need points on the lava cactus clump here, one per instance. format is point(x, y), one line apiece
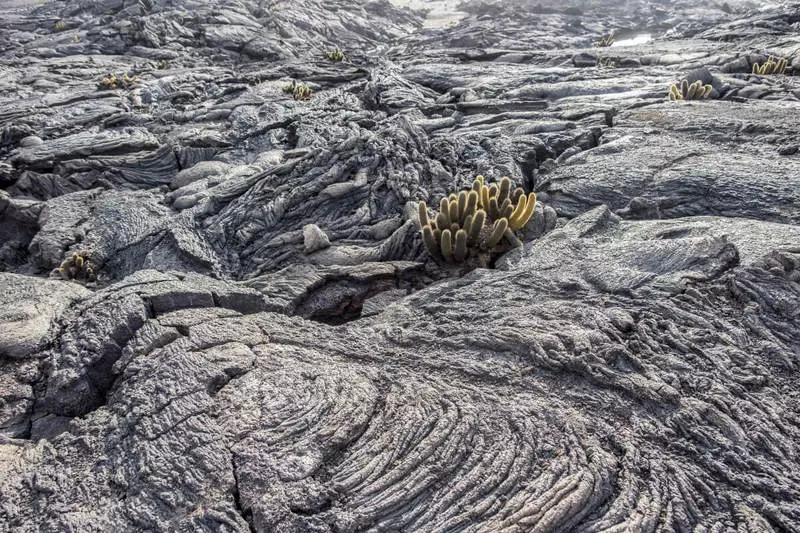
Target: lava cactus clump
point(770, 66)
point(76, 267)
point(476, 225)
point(690, 91)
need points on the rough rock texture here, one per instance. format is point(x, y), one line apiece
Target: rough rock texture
point(267, 346)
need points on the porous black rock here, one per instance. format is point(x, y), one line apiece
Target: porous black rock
point(266, 345)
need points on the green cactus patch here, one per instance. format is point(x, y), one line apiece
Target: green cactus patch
point(112, 81)
point(770, 67)
point(299, 91)
point(605, 42)
point(76, 267)
point(689, 91)
point(335, 54)
point(606, 62)
point(476, 225)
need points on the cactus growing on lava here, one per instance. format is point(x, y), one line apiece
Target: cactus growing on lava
point(299, 91)
point(112, 81)
point(687, 91)
point(605, 42)
point(770, 66)
point(335, 55)
point(476, 224)
point(76, 267)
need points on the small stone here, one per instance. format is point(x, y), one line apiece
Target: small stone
point(314, 239)
point(584, 59)
point(30, 141)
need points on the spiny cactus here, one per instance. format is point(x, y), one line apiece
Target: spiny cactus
point(606, 62)
point(60, 25)
point(299, 91)
point(112, 81)
point(477, 223)
point(334, 55)
point(770, 66)
point(605, 41)
point(76, 267)
point(687, 91)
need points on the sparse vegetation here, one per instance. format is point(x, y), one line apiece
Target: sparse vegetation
point(60, 25)
point(605, 42)
point(770, 66)
point(334, 55)
point(687, 91)
point(606, 62)
point(112, 81)
point(76, 267)
point(475, 225)
point(299, 91)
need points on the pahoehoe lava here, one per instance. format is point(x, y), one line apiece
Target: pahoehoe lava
point(263, 342)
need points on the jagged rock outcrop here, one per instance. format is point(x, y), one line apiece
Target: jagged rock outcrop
point(266, 345)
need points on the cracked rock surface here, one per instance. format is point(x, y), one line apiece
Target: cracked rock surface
point(267, 345)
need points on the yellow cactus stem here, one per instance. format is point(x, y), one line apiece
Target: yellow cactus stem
point(499, 228)
point(506, 209)
point(442, 220)
point(462, 206)
point(478, 222)
point(494, 209)
point(460, 251)
point(484, 197)
point(453, 213)
point(429, 239)
point(472, 203)
point(504, 189)
point(447, 245)
point(423, 214)
point(519, 221)
point(516, 215)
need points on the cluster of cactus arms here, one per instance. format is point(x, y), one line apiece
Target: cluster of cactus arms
point(60, 25)
point(770, 66)
point(299, 91)
point(605, 41)
point(76, 267)
point(481, 221)
point(687, 91)
point(112, 81)
point(334, 55)
point(606, 62)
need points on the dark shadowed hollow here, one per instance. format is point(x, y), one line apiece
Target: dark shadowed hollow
point(218, 313)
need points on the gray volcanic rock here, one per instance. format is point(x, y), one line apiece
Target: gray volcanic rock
point(267, 345)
